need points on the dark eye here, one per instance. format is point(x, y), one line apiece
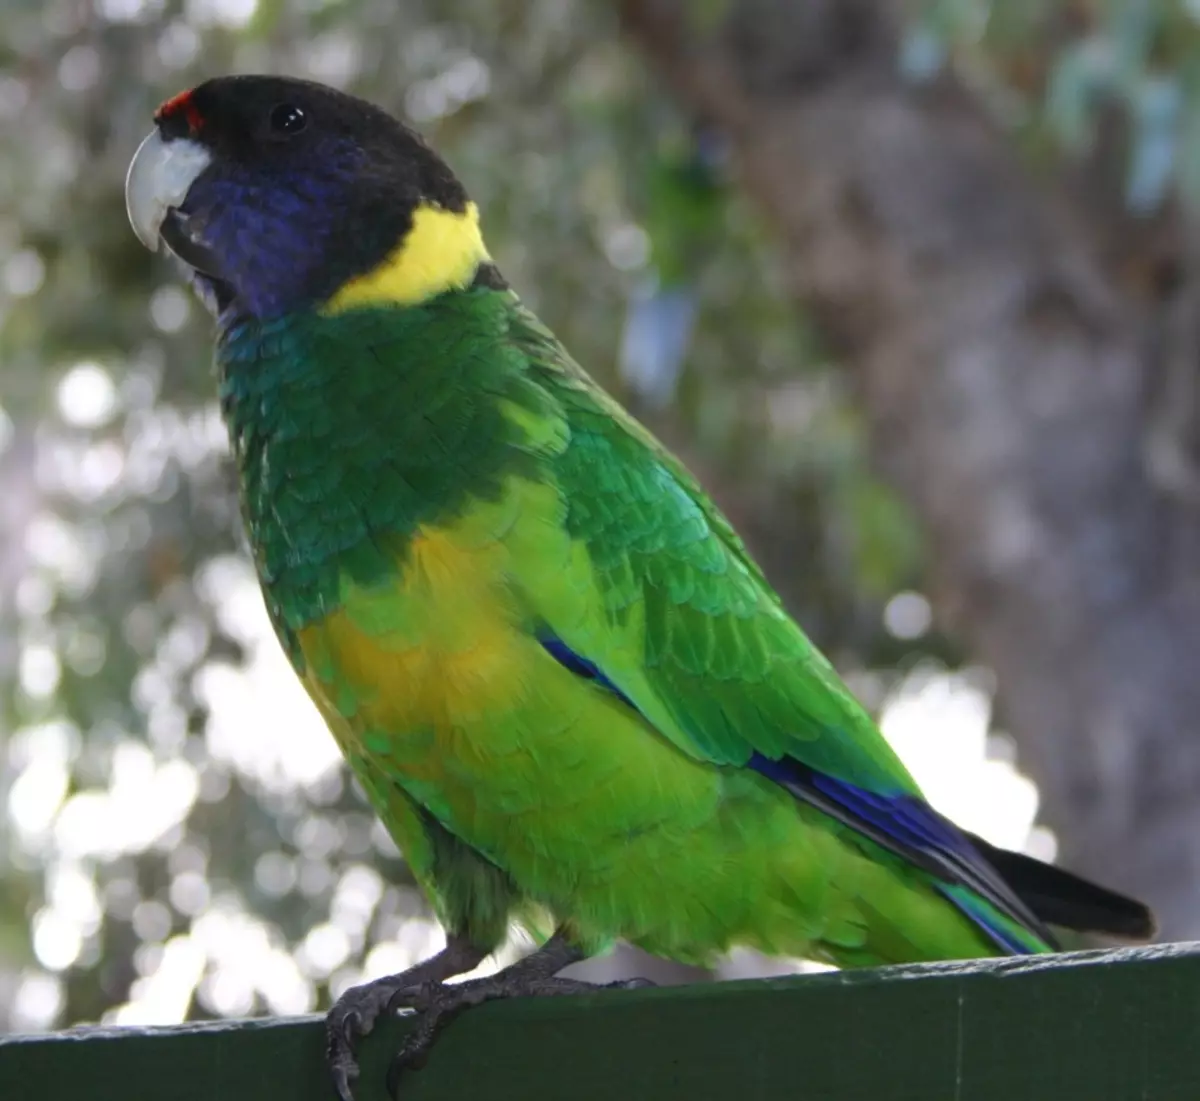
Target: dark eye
point(287, 119)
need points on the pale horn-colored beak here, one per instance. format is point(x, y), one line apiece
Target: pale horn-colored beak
point(159, 178)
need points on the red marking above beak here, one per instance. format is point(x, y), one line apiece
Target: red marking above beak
point(181, 104)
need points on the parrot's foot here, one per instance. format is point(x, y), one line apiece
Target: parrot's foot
point(436, 1004)
point(355, 1012)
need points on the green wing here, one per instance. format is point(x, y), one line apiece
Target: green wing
point(692, 634)
point(689, 631)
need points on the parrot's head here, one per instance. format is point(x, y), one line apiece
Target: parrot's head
point(282, 195)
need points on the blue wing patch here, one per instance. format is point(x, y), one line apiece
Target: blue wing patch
point(912, 829)
point(580, 666)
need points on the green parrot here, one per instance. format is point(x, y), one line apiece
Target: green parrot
point(569, 692)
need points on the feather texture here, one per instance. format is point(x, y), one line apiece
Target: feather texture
point(562, 680)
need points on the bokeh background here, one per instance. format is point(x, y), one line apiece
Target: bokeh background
point(912, 287)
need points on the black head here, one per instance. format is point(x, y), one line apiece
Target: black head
point(300, 188)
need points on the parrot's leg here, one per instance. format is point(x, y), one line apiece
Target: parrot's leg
point(355, 1012)
point(533, 976)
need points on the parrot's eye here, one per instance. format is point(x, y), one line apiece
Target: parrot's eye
point(287, 119)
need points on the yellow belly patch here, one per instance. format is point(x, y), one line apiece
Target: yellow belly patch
point(441, 643)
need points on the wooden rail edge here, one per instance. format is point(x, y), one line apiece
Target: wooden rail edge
point(1119, 1025)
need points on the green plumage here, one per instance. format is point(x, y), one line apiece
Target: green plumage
point(357, 433)
point(568, 691)
point(342, 459)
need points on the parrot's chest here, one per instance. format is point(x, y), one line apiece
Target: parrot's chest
point(407, 671)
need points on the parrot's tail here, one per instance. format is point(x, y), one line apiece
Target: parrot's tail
point(1059, 898)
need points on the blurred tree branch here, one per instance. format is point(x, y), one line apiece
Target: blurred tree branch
point(1010, 374)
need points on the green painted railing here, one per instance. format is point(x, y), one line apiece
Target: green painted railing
point(1088, 1026)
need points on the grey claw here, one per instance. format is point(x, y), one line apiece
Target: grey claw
point(343, 1081)
point(413, 1055)
point(340, 1055)
point(357, 1011)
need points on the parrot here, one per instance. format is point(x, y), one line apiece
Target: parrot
point(565, 686)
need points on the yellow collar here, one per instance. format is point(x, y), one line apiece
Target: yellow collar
point(441, 252)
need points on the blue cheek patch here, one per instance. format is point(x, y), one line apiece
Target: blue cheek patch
point(272, 235)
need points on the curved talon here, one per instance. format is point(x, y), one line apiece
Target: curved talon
point(353, 1017)
point(347, 1027)
point(414, 1052)
point(343, 1082)
point(344, 1026)
point(356, 1012)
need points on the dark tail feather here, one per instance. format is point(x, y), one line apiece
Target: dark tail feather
point(1062, 899)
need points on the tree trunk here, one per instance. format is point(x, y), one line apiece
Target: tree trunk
point(1010, 382)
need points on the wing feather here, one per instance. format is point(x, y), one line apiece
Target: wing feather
point(694, 637)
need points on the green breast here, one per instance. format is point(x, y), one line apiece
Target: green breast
point(351, 431)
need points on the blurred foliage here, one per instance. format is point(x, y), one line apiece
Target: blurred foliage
point(177, 838)
point(682, 214)
point(1057, 70)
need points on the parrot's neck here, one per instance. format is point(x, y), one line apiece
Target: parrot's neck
point(351, 431)
point(442, 251)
